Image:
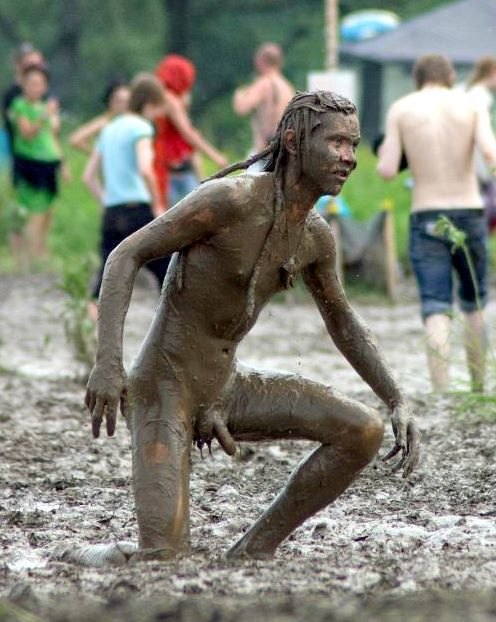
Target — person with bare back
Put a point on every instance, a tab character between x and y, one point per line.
266	97
236	242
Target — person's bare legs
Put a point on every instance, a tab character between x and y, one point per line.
18	250
476	347
161	437
437	328
272	406
36	232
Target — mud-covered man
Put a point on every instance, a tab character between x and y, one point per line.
238	241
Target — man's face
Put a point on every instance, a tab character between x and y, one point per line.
329	155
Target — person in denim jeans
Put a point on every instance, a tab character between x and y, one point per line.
438	129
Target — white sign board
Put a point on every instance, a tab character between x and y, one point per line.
341	81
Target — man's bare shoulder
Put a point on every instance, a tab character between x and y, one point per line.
319	234
405	104
243	194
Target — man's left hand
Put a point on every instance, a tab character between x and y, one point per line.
407	438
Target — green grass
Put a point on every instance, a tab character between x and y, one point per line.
366	194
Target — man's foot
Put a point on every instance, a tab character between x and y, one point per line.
242	550
96	555
114	554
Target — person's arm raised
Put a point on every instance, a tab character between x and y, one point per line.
205	212
356	342
82	136
179	117
247	98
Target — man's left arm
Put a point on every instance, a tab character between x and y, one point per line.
356	342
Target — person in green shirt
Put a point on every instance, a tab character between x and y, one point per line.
37	157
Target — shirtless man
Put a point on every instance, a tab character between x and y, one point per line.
437	129
238	241
267	97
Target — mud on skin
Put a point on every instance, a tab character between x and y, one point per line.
186	384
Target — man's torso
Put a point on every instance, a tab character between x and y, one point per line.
437	127
205	317
277	93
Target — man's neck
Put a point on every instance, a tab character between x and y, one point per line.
299	196
271	72
434	85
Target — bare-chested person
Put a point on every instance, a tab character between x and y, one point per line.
438	128
266	97
238	241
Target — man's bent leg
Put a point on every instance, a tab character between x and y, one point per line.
437	329
161	438
268	407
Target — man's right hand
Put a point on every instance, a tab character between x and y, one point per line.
106	389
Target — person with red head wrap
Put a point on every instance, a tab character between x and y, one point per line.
176	140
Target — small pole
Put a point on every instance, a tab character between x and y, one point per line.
332	33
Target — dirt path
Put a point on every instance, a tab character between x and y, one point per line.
384	541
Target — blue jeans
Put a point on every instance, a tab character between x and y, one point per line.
434	260
180	185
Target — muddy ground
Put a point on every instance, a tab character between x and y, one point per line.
385	550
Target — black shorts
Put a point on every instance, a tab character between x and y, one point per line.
119	222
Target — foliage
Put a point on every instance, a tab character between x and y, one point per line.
79	328
88	42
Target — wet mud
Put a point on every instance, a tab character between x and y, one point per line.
425	547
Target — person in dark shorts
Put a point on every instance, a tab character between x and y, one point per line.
438	128
123	155
35	124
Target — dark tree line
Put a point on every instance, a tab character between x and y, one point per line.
87	42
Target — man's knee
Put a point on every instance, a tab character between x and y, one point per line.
364	439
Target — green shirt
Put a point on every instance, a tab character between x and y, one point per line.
43	145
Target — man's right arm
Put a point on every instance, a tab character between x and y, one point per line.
247	98
204	213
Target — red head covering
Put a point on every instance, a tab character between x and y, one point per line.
176	73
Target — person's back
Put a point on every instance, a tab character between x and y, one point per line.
265	98
276	92
437	127
123	182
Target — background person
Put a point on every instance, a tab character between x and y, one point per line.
438	128
123	155
116	100
266	97
37	157
176	139
481	87
25	56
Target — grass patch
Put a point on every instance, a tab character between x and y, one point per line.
474	406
